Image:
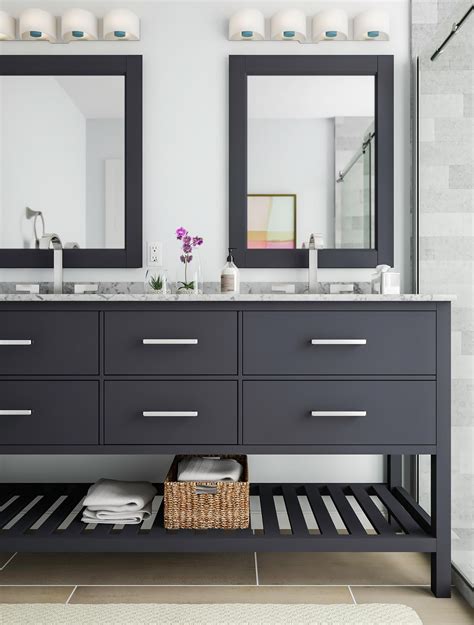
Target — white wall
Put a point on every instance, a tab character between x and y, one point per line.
43	158
185	50
296	156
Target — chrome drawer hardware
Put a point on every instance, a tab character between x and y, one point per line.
338	341
338	413
15	341
170	413
170	341
15	413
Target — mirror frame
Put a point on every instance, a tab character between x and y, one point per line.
129	66
379	66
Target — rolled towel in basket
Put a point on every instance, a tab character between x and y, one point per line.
117	496
209	470
116	518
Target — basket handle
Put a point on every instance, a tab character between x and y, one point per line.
206	489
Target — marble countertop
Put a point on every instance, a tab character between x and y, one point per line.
223	297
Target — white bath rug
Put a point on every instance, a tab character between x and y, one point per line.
204	614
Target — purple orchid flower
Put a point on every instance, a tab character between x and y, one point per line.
186	256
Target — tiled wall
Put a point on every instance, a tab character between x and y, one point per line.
446	252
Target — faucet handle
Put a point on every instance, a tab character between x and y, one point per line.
49	240
316	242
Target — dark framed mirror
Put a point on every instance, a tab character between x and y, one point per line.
311	152
71	160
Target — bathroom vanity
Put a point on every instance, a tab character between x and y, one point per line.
289	374
257	374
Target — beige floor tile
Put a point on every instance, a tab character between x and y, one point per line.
4	557
36	594
343	568
432	611
131	568
254	594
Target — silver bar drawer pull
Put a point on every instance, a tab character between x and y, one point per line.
170	341
15	341
338	341
338	413
170	413
15	413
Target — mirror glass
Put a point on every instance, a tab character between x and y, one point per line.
311	161
62	149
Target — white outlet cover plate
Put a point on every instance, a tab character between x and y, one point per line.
154	253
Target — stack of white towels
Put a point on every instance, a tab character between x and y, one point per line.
115	502
209	469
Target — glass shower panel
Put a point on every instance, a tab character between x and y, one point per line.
446	249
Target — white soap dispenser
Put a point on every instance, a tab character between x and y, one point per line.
230	279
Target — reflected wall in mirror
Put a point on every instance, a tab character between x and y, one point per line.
311	138
62	153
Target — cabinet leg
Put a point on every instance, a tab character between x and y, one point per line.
441	525
441	573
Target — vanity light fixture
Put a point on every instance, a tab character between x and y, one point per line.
289	25
121	25
37	25
372	25
78	25
330	25
247	25
7	27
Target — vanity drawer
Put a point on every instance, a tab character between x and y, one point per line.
339	413
174	412
167	343
305	343
49	343
49	413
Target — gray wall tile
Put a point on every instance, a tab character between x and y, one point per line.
461	176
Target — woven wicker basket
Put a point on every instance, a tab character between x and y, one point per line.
227	509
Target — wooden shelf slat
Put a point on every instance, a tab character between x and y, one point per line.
376	518
320	512
349	517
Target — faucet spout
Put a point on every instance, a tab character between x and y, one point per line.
52	241
315	244
58	268
312	266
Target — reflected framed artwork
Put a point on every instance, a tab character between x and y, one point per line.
271	221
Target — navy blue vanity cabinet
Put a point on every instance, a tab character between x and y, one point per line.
170	412
49	343
244	376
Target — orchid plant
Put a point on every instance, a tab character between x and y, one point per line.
188	243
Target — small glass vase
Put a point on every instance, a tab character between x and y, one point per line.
189	277
156	281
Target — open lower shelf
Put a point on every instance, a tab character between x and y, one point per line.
372	517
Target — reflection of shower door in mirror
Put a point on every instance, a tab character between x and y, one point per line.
355	179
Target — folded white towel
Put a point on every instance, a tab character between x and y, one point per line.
209	470
116	496
120	518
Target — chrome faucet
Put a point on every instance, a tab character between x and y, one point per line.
315	243
52	241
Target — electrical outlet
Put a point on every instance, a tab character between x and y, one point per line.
154	253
